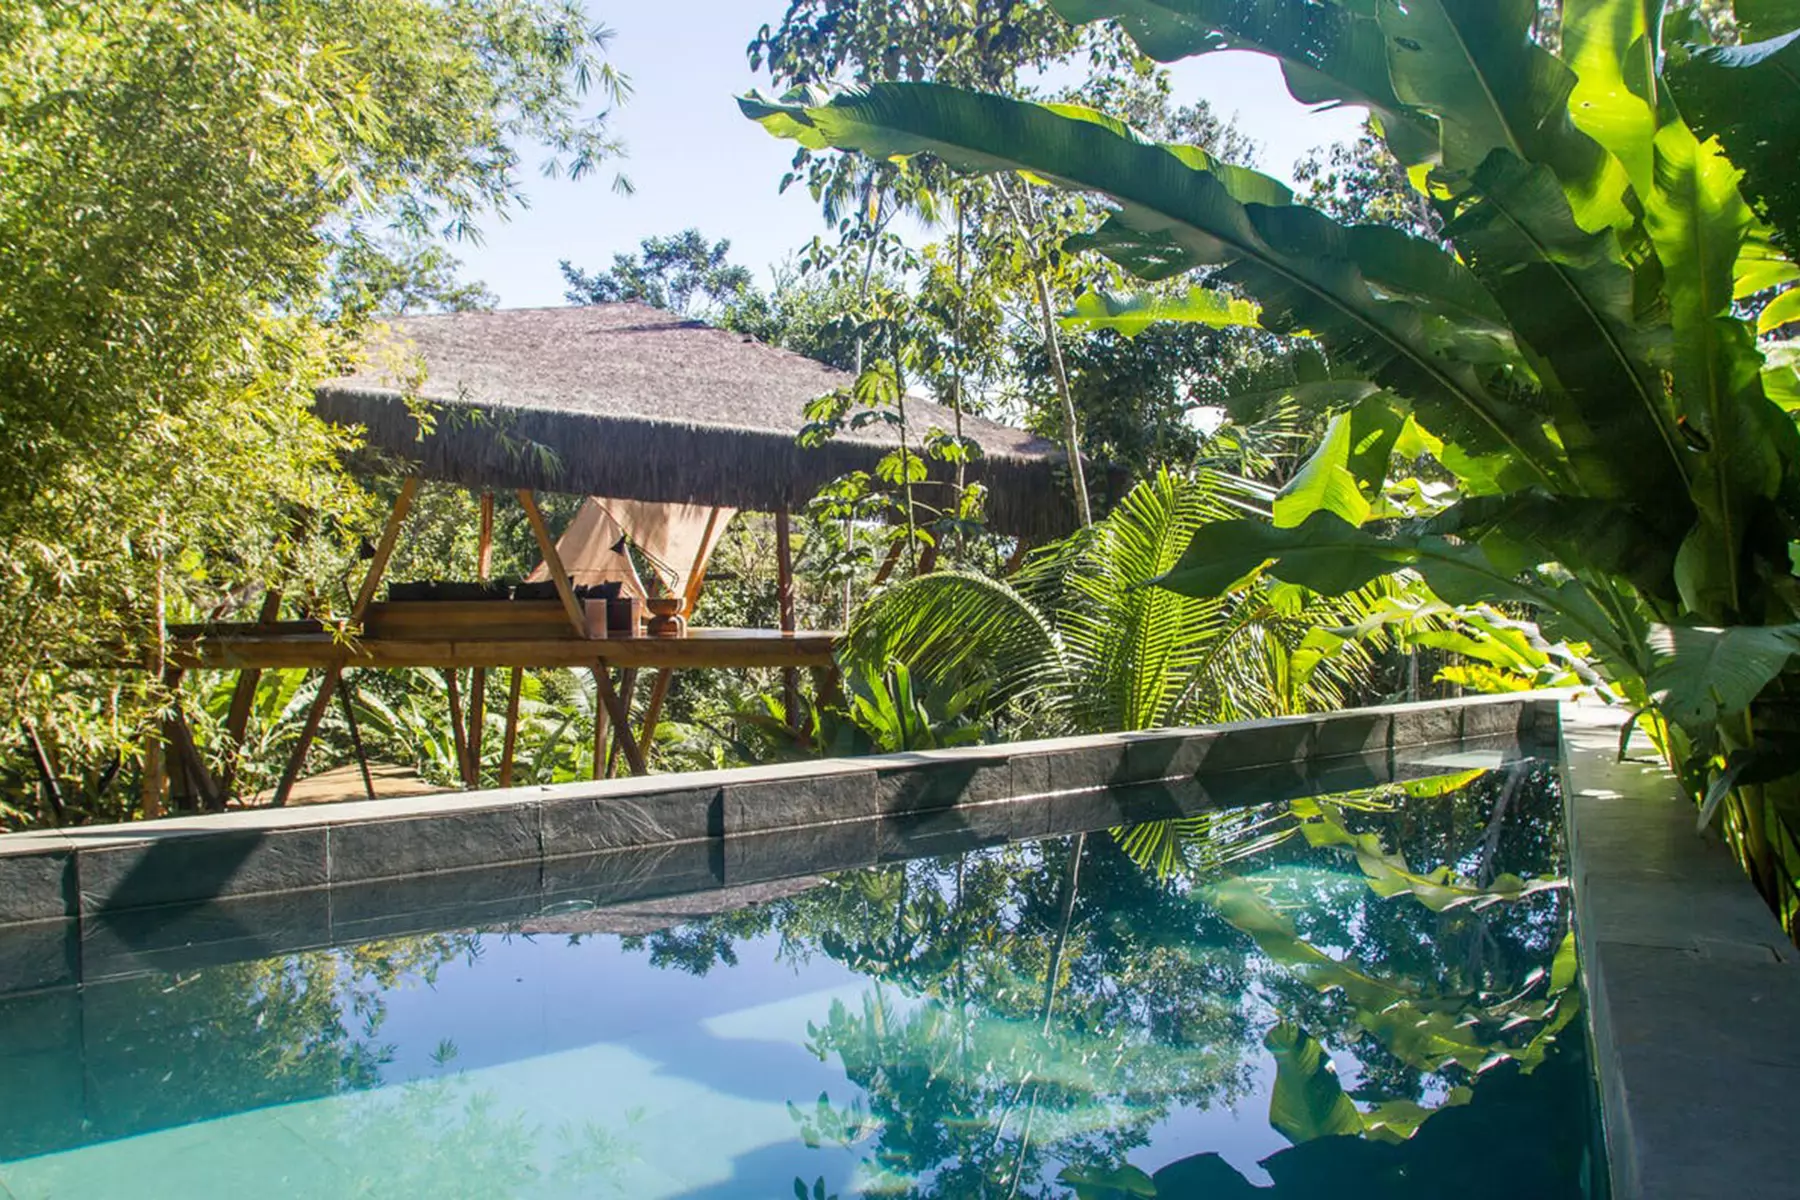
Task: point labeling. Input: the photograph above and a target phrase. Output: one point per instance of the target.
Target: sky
(696, 161)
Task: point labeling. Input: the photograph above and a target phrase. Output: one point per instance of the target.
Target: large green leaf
(1749, 98)
(1328, 555)
(1698, 221)
(1612, 46)
(1703, 674)
(1132, 315)
(1348, 467)
(1307, 1100)
(1569, 295)
(1762, 19)
(1294, 261)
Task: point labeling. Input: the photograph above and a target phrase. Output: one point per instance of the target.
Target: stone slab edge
(57, 875)
(1693, 989)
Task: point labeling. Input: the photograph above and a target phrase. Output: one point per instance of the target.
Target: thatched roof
(637, 403)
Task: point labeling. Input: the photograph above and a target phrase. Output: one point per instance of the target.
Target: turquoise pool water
(1368, 996)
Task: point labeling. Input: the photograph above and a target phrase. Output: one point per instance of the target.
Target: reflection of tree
(1045, 1005)
(242, 1035)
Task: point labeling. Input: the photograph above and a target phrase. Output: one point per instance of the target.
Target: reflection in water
(1370, 995)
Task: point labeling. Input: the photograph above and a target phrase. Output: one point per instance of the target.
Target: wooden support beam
(484, 542)
(553, 562)
(1018, 558)
(384, 550)
(928, 558)
(784, 593)
(195, 773)
(484, 567)
(659, 692)
(243, 700)
(602, 713)
(616, 709)
(348, 704)
(297, 759)
(627, 691)
(511, 744)
(889, 563)
(458, 733)
(697, 576)
(477, 721)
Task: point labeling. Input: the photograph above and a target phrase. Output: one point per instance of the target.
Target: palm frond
(959, 626)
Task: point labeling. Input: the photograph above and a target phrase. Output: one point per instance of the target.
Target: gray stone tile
(37, 886)
(756, 857)
(1361, 733)
(1423, 724)
(1083, 766)
(584, 824)
(1033, 817)
(1734, 1012)
(615, 876)
(1496, 719)
(1031, 776)
(184, 868)
(945, 830)
(930, 784)
(808, 800)
(436, 901)
(182, 937)
(41, 954)
(1254, 744)
(443, 842)
(1646, 912)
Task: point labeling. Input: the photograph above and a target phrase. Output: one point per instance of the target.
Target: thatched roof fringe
(490, 446)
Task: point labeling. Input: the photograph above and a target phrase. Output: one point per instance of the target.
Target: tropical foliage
(185, 198)
(1581, 349)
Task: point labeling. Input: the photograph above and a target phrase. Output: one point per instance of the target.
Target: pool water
(1370, 995)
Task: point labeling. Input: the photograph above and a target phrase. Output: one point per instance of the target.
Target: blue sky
(697, 162)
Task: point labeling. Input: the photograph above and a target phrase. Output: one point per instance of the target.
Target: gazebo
(668, 426)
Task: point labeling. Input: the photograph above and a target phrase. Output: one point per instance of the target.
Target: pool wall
(1693, 988)
(71, 873)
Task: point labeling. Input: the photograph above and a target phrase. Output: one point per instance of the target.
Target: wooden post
(356, 743)
(553, 562)
(511, 744)
(889, 563)
(297, 760)
(484, 567)
(627, 690)
(484, 545)
(1018, 558)
(784, 592)
(602, 689)
(616, 708)
(659, 692)
(243, 700)
(697, 576)
(928, 559)
(52, 788)
(197, 778)
(384, 550)
(457, 731)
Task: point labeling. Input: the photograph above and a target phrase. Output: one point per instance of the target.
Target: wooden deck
(251, 647)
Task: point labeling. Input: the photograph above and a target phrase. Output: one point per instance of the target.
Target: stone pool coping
(82, 872)
(1693, 988)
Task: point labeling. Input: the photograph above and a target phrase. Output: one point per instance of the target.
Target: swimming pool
(1368, 994)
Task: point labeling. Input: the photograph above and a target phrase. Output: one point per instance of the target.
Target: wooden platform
(252, 647)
